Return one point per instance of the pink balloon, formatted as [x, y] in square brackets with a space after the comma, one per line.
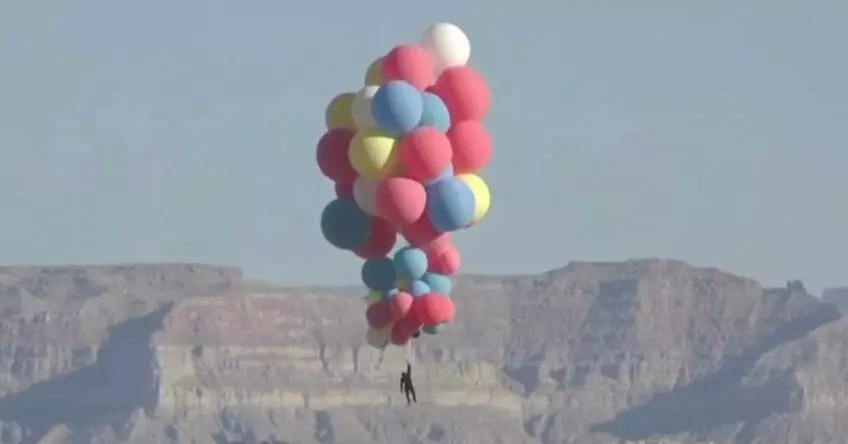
[425, 153]
[401, 200]
[410, 63]
[399, 305]
[378, 315]
[464, 92]
[332, 156]
[443, 258]
[380, 243]
[472, 146]
[433, 309]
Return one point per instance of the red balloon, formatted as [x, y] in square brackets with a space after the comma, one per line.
[400, 335]
[443, 258]
[344, 189]
[399, 305]
[410, 63]
[472, 146]
[421, 234]
[401, 200]
[332, 156]
[378, 315]
[433, 309]
[425, 153]
[410, 323]
[380, 243]
[464, 92]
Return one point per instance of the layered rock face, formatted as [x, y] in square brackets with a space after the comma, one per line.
[644, 351]
[837, 296]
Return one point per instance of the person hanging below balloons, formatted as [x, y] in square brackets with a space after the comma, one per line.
[405, 153]
[406, 386]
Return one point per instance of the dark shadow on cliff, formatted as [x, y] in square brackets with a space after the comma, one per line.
[121, 380]
[722, 399]
[527, 375]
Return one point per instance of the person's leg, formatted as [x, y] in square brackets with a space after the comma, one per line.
[408, 402]
[413, 395]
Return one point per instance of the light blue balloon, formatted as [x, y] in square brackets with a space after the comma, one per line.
[450, 205]
[345, 225]
[378, 274]
[436, 114]
[448, 172]
[410, 263]
[438, 283]
[418, 288]
[397, 107]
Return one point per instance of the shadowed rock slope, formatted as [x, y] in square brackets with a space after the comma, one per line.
[642, 351]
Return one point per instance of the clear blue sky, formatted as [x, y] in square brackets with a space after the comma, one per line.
[161, 130]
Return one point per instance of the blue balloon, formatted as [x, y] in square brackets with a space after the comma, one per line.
[438, 283]
[410, 263]
[378, 274]
[397, 107]
[448, 172]
[450, 205]
[436, 114]
[345, 225]
[418, 289]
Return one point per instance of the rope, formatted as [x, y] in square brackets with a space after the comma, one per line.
[410, 353]
[382, 354]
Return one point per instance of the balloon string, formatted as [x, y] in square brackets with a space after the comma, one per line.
[409, 353]
[382, 354]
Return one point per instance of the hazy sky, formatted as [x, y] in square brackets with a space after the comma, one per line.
[160, 130]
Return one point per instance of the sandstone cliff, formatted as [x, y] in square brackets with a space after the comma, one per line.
[642, 351]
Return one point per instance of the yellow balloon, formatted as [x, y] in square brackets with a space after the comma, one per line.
[482, 196]
[372, 297]
[374, 75]
[372, 154]
[339, 112]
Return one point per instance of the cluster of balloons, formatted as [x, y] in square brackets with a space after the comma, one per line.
[404, 153]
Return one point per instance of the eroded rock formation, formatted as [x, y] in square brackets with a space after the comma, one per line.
[643, 351]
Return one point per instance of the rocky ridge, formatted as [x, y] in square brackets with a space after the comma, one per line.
[643, 351]
[837, 296]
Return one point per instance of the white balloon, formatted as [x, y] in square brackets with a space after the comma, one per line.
[361, 108]
[447, 44]
[378, 338]
[365, 194]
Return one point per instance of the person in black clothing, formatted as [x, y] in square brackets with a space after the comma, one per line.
[406, 386]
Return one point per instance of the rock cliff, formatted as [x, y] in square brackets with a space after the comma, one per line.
[644, 351]
[837, 296]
